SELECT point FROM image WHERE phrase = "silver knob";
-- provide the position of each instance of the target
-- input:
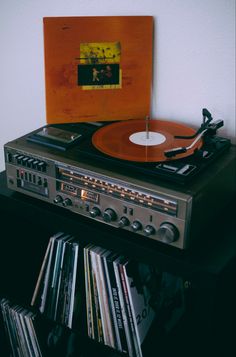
(168, 233)
(123, 222)
(94, 212)
(136, 226)
(149, 230)
(58, 199)
(109, 215)
(67, 202)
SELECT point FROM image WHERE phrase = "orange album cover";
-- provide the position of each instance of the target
(98, 68)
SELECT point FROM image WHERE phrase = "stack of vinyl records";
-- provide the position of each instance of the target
(19, 323)
(117, 300)
(56, 293)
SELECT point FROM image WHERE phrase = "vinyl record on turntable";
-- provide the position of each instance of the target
(130, 140)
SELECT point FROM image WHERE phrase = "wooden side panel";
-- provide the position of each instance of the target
(98, 68)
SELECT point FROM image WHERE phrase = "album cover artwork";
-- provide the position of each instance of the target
(98, 68)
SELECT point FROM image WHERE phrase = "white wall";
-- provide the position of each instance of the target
(194, 58)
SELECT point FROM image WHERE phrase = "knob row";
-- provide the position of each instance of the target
(65, 202)
(167, 232)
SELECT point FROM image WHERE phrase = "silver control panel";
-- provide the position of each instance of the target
(150, 210)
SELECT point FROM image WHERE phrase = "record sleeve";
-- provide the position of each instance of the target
(102, 295)
(139, 296)
(98, 68)
(124, 315)
(116, 301)
(41, 277)
(90, 306)
(110, 255)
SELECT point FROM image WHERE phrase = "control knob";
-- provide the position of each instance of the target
(109, 215)
(136, 226)
(94, 212)
(123, 222)
(58, 199)
(67, 202)
(168, 233)
(149, 230)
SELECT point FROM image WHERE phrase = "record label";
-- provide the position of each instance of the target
(148, 139)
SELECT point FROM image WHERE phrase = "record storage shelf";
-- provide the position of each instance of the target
(209, 272)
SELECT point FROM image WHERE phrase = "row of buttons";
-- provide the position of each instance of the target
(28, 162)
(29, 177)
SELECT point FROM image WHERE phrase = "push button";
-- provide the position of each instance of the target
(19, 159)
(34, 164)
(41, 166)
(29, 162)
(24, 160)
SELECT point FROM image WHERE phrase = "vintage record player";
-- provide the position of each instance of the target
(163, 149)
(156, 179)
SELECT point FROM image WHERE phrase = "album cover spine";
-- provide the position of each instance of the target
(116, 302)
(95, 293)
(88, 294)
(62, 299)
(42, 306)
(122, 304)
(20, 330)
(28, 347)
(41, 274)
(104, 297)
(74, 288)
(5, 306)
(97, 333)
(29, 318)
(59, 275)
(95, 265)
(68, 285)
(137, 352)
(111, 302)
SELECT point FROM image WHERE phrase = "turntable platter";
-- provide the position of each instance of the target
(129, 140)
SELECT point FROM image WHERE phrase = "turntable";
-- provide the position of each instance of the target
(163, 149)
(153, 178)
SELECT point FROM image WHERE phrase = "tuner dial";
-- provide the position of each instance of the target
(94, 212)
(109, 215)
(67, 202)
(168, 233)
(123, 222)
(149, 230)
(136, 226)
(58, 199)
